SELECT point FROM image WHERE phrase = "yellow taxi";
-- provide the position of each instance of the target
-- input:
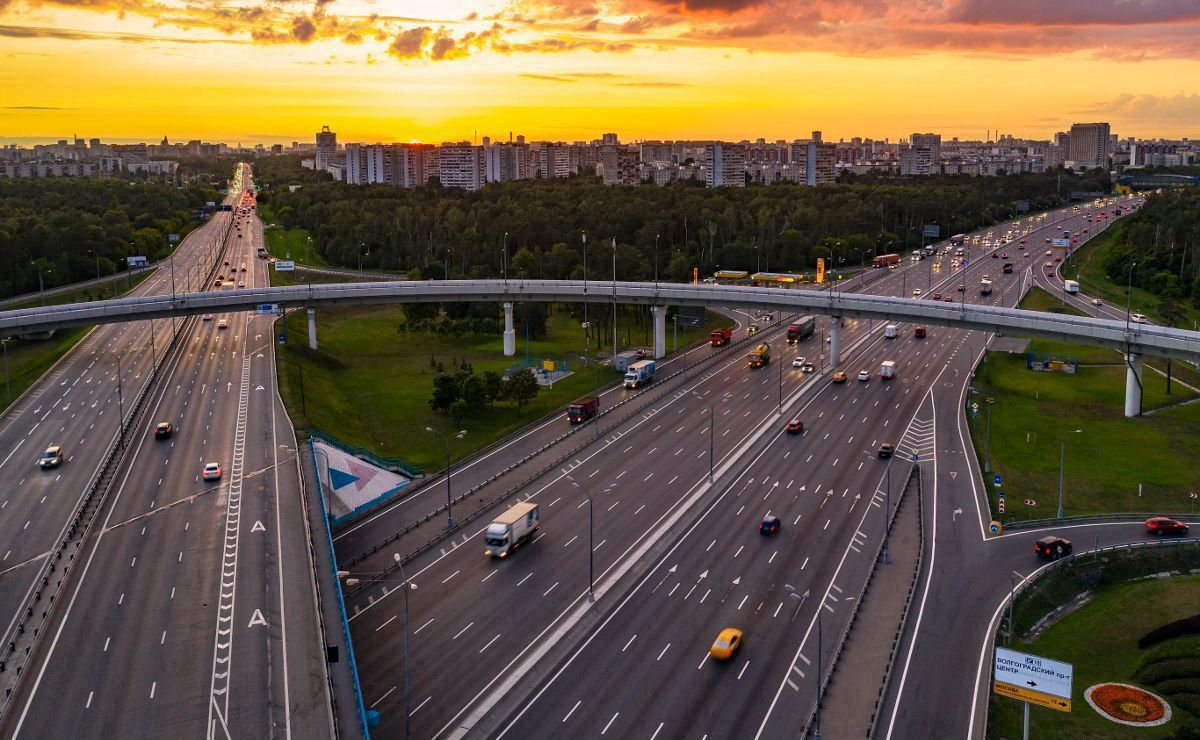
(726, 644)
(839, 376)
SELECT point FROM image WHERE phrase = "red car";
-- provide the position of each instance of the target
(1162, 525)
(795, 426)
(937, 296)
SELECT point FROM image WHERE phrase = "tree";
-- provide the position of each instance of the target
(523, 264)
(473, 391)
(493, 386)
(445, 392)
(521, 387)
(1170, 310)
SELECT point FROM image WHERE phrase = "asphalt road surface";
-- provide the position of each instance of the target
(194, 614)
(476, 622)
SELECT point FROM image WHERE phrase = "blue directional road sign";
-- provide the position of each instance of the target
(996, 481)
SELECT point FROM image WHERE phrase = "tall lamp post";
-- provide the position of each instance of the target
(591, 537)
(446, 437)
(656, 261)
(504, 259)
(350, 579)
(987, 455)
(1129, 295)
(1062, 466)
(795, 594)
(711, 441)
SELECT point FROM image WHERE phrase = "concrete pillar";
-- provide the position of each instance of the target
(510, 336)
(660, 331)
(1133, 385)
(835, 348)
(312, 328)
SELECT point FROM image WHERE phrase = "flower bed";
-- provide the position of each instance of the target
(1128, 705)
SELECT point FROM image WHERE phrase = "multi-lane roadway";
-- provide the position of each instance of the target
(194, 613)
(477, 623)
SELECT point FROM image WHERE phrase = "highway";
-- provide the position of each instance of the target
(77, 405)
(187, 619)
(942, 680)
(474, 620)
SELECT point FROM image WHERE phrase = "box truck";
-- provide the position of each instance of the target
(511, 529)
(639, 373)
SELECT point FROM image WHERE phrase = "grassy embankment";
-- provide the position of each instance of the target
(1036, 412)
(1100, 641)
(28, 359)
(369, 385)
(282, 242)
(1087, 265)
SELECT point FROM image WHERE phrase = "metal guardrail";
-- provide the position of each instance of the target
(914, 472)
(395, 465)
(362, 713)
(1132, 517)
(22, 640)
(487, 504)
(899, 633)
(70, 287)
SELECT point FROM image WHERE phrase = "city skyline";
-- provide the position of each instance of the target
(560, 70)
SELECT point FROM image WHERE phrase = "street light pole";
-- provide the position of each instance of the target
(614, 349)
(656, 261)
(987, 455)
(1128, 294)
(407, 638)
(887, 514)
(711, 441)
(1062, 462)
(449, 499)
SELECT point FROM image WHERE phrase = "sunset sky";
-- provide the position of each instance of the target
(435, 70)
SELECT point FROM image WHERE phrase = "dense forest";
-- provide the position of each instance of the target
(784, 227)
(71, 228)
(1163, 239)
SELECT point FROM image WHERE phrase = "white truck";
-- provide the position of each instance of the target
(887, 369)
(1071, 286)
(639, 373)
(511, 529)
(985, 287)
(891, 331)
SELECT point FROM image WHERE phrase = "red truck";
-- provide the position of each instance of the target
(886, 260)
(583, 409)
(720, 336)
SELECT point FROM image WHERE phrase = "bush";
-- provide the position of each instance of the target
(1171, 630)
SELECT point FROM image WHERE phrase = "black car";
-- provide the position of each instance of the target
(163, 430)
(1052, 547)
(769, 524)
(886, 450)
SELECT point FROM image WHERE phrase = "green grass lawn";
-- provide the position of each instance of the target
(1100, 642)
(1039, 300)
(27, 360)
(283, 242)
(1088, 264)
(113, 289)
(1036, 412)
(369, 385)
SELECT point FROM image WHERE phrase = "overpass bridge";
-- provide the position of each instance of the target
(1135, 341)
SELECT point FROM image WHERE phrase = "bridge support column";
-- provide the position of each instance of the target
(510, 336)
(835, 346)
(312, 328)
(660, 331)
(1133, 385)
